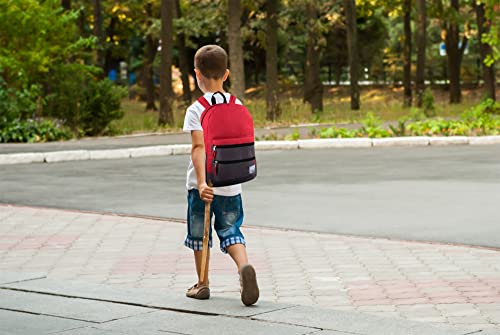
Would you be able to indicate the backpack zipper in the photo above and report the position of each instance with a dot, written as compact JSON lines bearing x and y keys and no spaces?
{"x":216,"y":163}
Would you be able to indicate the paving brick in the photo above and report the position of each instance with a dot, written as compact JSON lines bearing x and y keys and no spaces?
{"x":341,"y":271}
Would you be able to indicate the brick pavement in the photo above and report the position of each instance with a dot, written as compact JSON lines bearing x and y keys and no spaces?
{"x":419,"y":281}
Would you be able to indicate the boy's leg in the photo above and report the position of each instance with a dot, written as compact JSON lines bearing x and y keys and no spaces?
{"x":248,"y":277}
{"x":194,"y":241}
{"x":228,"y":219}
{"x":238,"y":253}
{"x":197,"y":260}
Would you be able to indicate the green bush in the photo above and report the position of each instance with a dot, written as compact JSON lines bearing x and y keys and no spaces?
{"x":428,"y":103}
{"x":99,"y":106}
{"x":371,"y":127}
{"x":16,"y":103}
{"x":487,"y":106}
{"x":483,"y":118}
{"x":438,"y":127}
{"x":334,"y":132}
{"x":33,"y":131}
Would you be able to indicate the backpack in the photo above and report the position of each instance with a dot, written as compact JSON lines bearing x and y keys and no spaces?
{"x":229,"y":142}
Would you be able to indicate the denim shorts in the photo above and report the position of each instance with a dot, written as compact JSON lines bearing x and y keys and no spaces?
{"x":228,"y":213}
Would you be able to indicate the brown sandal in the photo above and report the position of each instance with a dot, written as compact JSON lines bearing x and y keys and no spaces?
{"x":198,"y":292}
{"x":249,"y":287}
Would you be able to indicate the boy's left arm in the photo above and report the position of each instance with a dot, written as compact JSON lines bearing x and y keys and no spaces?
{"x":198,"y":158}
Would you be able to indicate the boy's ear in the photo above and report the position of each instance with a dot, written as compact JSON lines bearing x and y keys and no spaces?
{"x":226,"y":75}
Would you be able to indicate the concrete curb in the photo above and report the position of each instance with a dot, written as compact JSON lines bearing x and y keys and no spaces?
{"x":62,"y":156}
{"x":22,"y":158}
{"x":401,"y":141}
{"x":185,"y":149}
{"x":335,"y":143}
{"x":453,"y":140}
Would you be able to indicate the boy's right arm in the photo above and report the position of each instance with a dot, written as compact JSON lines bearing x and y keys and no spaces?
{"x":198,"y":158}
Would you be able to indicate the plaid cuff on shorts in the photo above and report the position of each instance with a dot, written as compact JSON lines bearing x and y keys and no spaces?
{"x":230,"y":241}
{"x":195,"y":244}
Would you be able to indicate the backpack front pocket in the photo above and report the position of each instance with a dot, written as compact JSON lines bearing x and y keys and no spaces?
{"x":233,"y":164}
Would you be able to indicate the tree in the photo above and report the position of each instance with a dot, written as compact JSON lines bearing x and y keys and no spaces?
{"x":66,"y":4}
{"x":166,"y":93}
{"x":485,"y":50}
{"x":99,"y":60}
{"x":352,"y":46}
{"x":455,"y":51}
{"x":149,"y":57}
{"x":407,"y":53}
{"x":313,"y":87}
{"x":183,"y":58}
{"x":272,"y":103}
{"x":421,"y":47}
{"x":236,"y":64}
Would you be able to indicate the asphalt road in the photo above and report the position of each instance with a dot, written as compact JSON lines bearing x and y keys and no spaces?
{"x":445,"y":194}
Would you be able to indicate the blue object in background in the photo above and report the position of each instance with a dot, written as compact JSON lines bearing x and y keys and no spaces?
{"x":112,"y":75}
{"x":131,"y":78}
{"x":442,"y":49}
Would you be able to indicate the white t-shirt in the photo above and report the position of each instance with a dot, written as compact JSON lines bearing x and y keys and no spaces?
{"x":192,"y":122}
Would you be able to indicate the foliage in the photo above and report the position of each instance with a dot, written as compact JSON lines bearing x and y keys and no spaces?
{"x":99,"y":106}
{"x":371,"y":126}
{"x":15,"y":103}
{"x":334,"y":132}
{"x":492,"y":9}
{"x":30,"y":131}
{"x":438,"y":127}
{"x":428,"y":104}
{"x":44,"y":38}
{"x":42,"y":35}
{"x":47,"y":76}
{"x":293,"y":136}
{"x":483,"y":119}
{"x":486,"y":106}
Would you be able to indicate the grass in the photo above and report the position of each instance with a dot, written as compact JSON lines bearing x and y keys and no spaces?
{"x":137,"y":120}
{"x":385,"y":103}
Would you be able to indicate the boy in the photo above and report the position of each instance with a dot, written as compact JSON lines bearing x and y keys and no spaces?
{"x":210,"y":64}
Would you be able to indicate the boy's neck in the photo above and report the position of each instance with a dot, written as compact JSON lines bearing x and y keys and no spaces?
{"x":212,"y":86}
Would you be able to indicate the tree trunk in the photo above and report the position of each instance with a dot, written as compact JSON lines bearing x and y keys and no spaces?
{"x":108,"y":55}
{"x":236,"y":64}
{"x":183,"y":59}
{"x":66,"y":4}
{"x":485,"y":49}
{"x":454,"y":56}
{"x":313,"y":87}
{"x":99,"y":56}
{"x":166,"y":92}
{"x":258,"y":67}
{"x":421,"y":36}
{"x":272,"y":103}
{"x":407,"y":53}
{"x":82,"y":21}
{"x":352,"y":46}
{"x":149,"y":57}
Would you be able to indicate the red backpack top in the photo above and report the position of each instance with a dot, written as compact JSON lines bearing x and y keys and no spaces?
{"x":229,"y":142}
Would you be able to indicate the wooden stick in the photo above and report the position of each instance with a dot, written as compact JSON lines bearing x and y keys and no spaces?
{"x":204,"y":251}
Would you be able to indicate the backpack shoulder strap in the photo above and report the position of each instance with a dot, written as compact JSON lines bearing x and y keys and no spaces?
{"x":204,"y":102}
{"x":232,"y":99}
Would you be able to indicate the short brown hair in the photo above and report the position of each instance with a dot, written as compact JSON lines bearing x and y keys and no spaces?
{"x":211,"y":61}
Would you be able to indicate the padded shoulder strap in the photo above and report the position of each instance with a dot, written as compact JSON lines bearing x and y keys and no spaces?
{"x":232,"y":99}
{"x":204,"y":102}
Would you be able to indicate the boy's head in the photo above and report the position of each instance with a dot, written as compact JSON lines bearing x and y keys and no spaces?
{"x":211,"y":61}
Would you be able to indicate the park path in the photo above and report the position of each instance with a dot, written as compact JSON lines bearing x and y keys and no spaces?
{"x":456,"y":285}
